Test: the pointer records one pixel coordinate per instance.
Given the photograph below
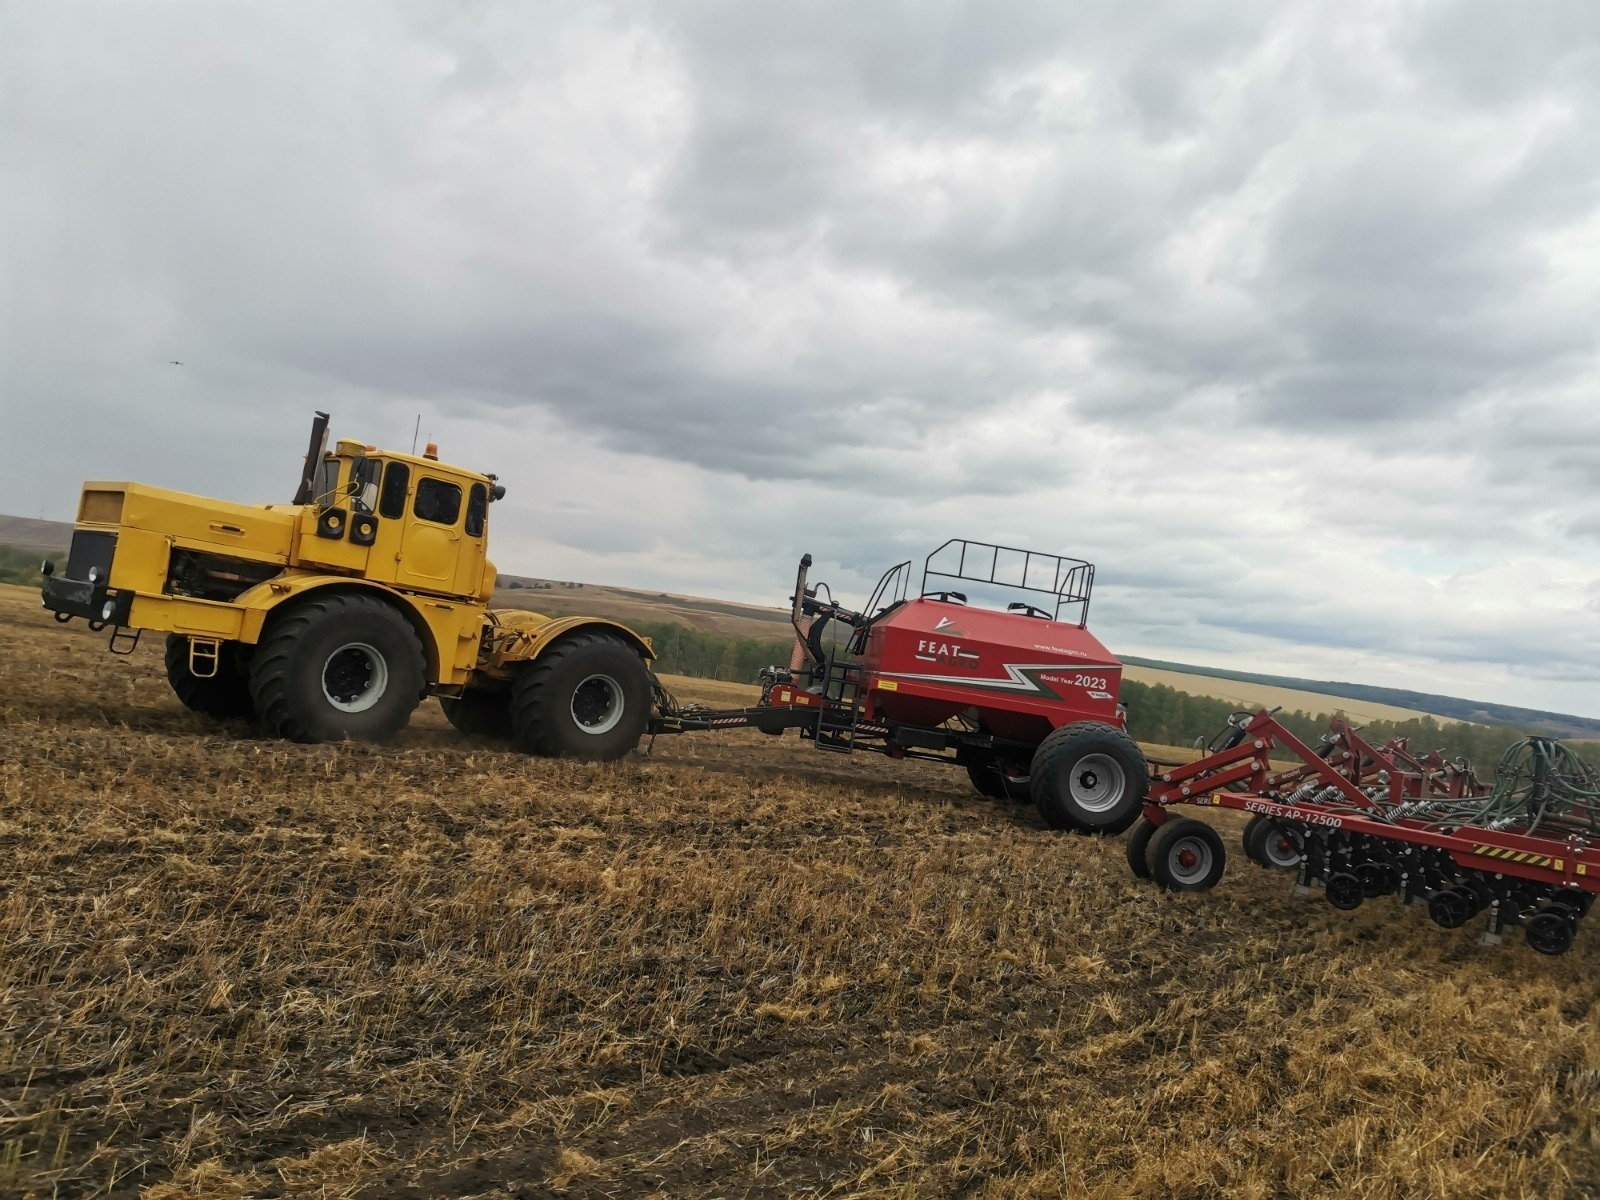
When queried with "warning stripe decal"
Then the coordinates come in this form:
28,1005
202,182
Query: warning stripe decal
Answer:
1520,856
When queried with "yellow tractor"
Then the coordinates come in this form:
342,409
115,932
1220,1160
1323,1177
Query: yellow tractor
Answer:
334,616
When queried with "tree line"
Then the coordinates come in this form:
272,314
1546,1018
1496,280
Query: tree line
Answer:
1162,714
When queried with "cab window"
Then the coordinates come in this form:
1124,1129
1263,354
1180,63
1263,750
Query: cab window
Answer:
437,501
363,485
327,482
396,483
477,510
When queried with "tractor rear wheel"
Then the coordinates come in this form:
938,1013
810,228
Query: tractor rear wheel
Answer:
225,694
587,696
344,665
1090,777
478,713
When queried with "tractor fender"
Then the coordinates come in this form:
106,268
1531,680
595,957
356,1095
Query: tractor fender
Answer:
438,623
518,636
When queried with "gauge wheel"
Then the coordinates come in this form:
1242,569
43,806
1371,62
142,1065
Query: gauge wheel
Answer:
1187,856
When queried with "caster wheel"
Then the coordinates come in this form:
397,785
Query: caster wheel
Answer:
1187,856
1138,847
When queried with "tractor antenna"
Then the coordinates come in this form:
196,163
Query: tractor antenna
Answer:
416,430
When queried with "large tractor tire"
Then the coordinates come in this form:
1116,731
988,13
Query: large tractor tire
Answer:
586,696
344,665
225,694
1089,777
479,713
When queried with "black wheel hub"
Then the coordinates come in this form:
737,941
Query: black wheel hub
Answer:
592,702
348,675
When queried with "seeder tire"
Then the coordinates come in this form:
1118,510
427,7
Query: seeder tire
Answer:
1344,891
1247,839
1187,856
1266,845
1551,931
1089,777
479,713
335,666
1138,847
1451,908
225,694
587,696
986,780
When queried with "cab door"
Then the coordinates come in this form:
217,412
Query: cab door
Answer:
474,541
430,548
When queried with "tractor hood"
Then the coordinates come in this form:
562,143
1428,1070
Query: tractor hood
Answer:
247,531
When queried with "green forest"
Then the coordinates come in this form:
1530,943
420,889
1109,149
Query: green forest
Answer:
1161,714
20,566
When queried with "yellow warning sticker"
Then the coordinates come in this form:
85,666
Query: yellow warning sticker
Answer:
889,685
1518,856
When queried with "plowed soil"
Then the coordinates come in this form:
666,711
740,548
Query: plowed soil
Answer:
734,967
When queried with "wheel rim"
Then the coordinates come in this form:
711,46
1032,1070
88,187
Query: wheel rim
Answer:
1278,850
355,677
1189,860
1550,933
597,704
1098,783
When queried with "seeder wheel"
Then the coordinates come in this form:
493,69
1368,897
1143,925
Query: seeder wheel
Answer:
1187,856
1267,844
1552,930
1344,891
1451,908
1378,879
1138,847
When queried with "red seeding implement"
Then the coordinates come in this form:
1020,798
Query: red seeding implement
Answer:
1025,700
1364,821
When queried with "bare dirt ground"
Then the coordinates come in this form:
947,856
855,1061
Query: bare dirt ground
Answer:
234,967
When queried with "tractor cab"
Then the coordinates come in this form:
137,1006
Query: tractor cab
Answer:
412,522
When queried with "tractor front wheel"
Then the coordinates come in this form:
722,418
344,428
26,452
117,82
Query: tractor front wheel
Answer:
1090,777
587,696
225,694
344,665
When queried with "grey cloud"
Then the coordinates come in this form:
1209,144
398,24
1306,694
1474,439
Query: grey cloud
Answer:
1235,299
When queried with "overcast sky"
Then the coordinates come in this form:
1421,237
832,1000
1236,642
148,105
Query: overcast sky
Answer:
1283,314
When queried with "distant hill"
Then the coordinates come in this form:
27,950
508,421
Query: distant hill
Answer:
1482,712
631,604
41,537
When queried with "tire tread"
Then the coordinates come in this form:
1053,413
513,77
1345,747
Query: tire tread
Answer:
270,682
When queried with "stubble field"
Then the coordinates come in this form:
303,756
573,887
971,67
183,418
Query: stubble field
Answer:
737,967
